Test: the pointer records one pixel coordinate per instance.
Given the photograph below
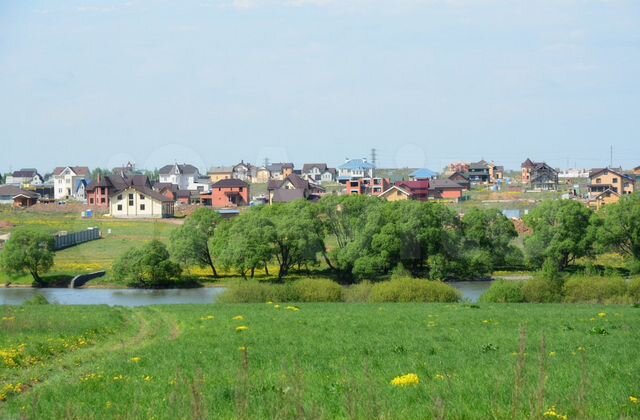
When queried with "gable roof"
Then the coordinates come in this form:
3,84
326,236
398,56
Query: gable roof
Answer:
183,169
143,190
458,174
230,183
13,191
597,171
308,166
527,164
606,192
278,167
78,170
396,188
25,173
221,170
443,183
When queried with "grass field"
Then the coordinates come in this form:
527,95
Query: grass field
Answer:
321,361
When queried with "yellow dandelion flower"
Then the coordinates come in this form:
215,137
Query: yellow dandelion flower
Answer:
108,404
147,378
439,377
207,318
269,303
634,400
238,318
242,328
602,314
276,306
486,321
118,377
292,308
410,379
136,359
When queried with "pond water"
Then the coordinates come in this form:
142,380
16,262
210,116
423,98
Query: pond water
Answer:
111,297
470,290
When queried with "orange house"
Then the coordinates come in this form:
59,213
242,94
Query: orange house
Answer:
228,193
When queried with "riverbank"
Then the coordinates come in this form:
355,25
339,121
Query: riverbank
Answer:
320,361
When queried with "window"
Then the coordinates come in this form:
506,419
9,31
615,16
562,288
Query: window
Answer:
130,200
119,207
120,197
91,201
142,207
241,189
141,197
598,181
614,180
103,200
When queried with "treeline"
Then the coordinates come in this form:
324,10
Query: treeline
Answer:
357,237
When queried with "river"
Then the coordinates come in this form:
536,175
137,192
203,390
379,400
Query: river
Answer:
470,290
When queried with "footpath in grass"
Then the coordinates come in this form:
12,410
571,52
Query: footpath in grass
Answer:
323,361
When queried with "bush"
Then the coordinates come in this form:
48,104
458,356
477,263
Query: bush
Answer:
305,290
317,290
595,289
542,290
634,290
504,291
148,266
413,290
360,292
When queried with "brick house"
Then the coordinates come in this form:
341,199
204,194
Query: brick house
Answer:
227,193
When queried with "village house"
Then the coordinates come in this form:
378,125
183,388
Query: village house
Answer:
422,174
354,169
539,176
293,187
479,173
445,189
318,172
220,172
24,178
367,186
602,180
227,193
461,179
69,181
17,197
280,170
139,202
244,171
184,176
263,175
100,191
407,190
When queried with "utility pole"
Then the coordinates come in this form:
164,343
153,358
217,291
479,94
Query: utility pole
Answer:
373,156
266,162
611,157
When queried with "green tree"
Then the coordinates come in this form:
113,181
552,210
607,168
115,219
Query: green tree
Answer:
619,227
28,251
102,172
192,242
147,266
561,233
490,232
246,243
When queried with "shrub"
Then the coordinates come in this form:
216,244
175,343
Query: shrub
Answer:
317,290
413,290
400,272
148,266
358,293
542,290
634,290
595,289
504,291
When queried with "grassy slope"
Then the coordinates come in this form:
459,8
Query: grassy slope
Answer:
329,361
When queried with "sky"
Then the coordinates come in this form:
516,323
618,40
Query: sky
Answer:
424,82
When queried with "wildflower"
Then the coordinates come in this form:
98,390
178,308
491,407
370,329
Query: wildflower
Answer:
439,377
486,321
410,379
634,400
269,303
602,314
552,413
136,359
238,318
292,308
147,378
242,328
242,348
108,404
580,348
206,318
552,354
8,318
276,306
118,377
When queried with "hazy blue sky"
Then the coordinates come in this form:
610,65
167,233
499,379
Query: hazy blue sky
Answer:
425,82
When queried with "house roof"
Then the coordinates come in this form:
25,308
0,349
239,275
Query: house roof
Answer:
278,167
230,183
183,194
221,170
412,186
308,166
13,191
606,192
78,170
437,184
25,173
527,164
478,165
356,164
456,174
423,173
159,186
183,169
597,171
396,188
144,190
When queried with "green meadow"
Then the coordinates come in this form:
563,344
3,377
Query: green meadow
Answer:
320,361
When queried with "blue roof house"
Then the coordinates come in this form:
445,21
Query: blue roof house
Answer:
422,174
355,168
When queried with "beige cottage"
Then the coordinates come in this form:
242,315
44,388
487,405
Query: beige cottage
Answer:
140,202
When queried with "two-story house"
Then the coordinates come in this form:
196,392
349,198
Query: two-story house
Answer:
220,172
354,169
181,175
367,186
292,188
100,191
244,171
318,172
227,193
139,202
68,181
539,176
26,177
602,180
407,190
479,173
